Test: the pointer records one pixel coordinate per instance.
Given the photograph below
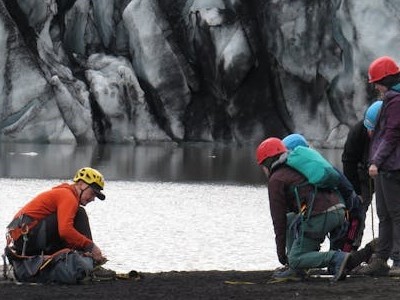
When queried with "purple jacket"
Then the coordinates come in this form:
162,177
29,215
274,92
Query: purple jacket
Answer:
385,144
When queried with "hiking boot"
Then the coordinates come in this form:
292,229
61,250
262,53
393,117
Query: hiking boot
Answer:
372,245
338,263
395,269
362,255
289,274
377,267
101,274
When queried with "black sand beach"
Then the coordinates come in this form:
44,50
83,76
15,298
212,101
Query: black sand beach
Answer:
211,285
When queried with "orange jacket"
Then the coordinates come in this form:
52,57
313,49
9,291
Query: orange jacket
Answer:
64,201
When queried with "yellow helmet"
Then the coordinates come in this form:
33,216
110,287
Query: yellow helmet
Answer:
93,178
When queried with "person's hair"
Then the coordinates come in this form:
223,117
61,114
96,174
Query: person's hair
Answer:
390,80
270,160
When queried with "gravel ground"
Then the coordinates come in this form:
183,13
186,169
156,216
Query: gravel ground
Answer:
210,285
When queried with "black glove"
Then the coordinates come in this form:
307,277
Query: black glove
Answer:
283,259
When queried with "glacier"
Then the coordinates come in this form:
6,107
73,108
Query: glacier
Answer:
235,71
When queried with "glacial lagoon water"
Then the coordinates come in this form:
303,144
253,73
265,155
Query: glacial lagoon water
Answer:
168,207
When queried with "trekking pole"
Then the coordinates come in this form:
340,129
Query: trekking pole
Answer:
372,221
372,208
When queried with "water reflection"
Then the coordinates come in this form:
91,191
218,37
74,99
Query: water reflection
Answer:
197,162
155,162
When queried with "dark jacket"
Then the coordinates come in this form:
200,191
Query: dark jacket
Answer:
385,144
282,200
355,156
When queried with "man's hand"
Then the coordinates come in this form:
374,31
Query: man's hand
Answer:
373,170
98,256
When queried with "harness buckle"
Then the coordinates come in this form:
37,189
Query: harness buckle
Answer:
24,229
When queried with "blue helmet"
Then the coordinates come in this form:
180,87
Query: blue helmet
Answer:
293,140
371,115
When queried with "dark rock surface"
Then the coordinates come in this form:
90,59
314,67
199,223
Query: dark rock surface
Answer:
211,285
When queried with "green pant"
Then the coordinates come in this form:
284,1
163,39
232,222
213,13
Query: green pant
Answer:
304,249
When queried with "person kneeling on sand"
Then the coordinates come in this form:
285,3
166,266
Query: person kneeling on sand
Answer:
347,241
314,220
56,219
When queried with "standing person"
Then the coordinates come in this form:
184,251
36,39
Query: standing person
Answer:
356,154
324,215
56,219
384,167
355,160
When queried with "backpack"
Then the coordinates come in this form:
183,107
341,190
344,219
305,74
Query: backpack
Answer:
322,174
66,266
318,171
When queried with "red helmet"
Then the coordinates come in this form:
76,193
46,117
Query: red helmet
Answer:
269,148
382,67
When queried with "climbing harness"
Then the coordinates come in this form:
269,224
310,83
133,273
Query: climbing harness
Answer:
20,226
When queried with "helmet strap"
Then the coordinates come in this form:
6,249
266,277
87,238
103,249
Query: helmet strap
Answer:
82,191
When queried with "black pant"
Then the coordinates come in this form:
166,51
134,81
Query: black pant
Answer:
45,238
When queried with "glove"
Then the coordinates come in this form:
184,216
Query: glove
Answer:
283,259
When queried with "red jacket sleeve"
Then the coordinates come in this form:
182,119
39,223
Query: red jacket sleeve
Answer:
67,206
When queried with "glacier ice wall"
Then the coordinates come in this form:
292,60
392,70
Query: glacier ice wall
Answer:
130,71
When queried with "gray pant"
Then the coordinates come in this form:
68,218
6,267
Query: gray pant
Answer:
387,189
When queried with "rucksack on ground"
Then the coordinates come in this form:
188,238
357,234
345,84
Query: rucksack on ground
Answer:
65,266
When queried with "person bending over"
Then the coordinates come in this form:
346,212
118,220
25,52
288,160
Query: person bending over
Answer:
56,218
